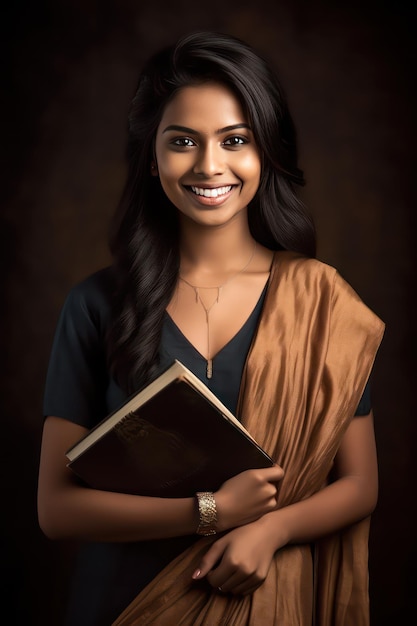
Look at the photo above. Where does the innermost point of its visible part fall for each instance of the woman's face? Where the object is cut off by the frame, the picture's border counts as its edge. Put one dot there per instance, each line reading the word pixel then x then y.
pixel 206 157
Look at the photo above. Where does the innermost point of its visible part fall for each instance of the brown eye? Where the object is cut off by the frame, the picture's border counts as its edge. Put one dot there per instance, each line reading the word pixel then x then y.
pixel 235 141
pixel 183 142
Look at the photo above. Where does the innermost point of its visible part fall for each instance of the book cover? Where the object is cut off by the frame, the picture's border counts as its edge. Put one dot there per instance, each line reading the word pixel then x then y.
pixel 171 439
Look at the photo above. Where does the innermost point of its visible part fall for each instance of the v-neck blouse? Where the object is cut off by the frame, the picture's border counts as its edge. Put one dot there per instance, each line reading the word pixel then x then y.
pixel 228 363
pixel 79 388
pixel 78 385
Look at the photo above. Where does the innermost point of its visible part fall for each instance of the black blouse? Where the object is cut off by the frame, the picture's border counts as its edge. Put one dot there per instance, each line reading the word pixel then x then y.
pixel 78 388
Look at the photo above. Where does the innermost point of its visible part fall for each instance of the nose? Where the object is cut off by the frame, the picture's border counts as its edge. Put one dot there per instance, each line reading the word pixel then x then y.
pixel 209 160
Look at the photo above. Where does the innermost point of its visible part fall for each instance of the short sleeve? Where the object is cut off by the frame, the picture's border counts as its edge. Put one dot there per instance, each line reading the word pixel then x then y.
pixel 77 378
pixel 365 405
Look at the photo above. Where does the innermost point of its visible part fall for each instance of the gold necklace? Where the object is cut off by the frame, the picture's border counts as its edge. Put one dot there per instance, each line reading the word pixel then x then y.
pixel 196 289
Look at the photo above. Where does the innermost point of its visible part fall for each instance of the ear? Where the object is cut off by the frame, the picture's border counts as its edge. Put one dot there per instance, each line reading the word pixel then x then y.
pixel 154 169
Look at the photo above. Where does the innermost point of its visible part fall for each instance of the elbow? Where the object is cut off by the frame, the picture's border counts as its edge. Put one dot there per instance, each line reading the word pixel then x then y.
pixel 367 509
pixel 51 520
pixel 368 496
pixel 372 503
pixel 48 526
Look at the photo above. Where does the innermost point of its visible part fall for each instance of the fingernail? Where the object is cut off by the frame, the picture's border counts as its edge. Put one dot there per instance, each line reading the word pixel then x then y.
pixel 196 573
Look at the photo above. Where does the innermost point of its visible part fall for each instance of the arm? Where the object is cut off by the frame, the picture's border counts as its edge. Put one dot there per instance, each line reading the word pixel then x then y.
pixel 350 498
pixel 245 553
pixel 67 509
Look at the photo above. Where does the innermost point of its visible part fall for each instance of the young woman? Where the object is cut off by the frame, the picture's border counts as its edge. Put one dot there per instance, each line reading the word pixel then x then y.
pixel 214 265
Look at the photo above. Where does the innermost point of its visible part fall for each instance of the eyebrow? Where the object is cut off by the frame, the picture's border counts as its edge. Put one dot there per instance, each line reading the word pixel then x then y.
pixel 191 131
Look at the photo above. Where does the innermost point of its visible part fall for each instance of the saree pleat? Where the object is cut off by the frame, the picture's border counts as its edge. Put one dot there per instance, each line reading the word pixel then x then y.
pixel 304 376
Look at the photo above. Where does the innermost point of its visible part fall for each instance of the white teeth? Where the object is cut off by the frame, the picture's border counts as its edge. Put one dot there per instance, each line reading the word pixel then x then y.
pixel 211 193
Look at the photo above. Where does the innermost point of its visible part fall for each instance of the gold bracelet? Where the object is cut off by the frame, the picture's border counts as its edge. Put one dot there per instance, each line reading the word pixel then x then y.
pixel 208 513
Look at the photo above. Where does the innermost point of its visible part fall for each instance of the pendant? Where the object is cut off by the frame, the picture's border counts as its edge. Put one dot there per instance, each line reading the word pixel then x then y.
pixel 209 370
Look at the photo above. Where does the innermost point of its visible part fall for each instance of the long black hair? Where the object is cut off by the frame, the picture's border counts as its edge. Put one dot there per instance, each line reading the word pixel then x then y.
pixel 144 233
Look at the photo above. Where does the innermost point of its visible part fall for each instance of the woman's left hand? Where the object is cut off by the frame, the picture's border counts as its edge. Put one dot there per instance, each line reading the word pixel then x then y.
pixel 239 561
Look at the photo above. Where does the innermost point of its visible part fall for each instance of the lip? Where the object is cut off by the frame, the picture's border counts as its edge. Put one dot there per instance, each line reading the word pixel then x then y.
pixel 210 201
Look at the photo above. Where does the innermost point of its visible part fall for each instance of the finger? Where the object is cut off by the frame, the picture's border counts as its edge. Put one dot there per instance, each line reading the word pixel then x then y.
pixel 227 577
pixel 277 473
pixel 209 560
pixel 245 590
pixel 240 585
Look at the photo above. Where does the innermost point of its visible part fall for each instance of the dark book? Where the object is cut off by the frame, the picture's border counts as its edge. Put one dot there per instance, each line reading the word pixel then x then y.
pixel 171 439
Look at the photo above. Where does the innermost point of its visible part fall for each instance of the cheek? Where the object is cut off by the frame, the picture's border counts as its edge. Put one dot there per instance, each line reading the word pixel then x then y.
pixel 169 186
pixel 250 168
pixel 172 169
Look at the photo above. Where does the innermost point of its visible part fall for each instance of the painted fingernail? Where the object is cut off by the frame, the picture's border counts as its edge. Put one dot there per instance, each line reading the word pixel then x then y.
pixel 196 573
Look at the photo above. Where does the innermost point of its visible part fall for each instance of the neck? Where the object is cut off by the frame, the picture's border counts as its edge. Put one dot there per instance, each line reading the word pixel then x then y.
pixel 215 252
pixel 197 288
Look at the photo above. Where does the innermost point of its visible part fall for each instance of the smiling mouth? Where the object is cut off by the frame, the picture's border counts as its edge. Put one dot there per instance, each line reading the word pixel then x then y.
pixel 215 192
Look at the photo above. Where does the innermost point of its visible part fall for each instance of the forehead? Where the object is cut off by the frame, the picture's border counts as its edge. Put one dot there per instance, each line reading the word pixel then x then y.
pixel 205 107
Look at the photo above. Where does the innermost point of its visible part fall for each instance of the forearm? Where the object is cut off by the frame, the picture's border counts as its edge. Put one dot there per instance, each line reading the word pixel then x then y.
pixel 69 510
pixel 336 506
pixel 88 514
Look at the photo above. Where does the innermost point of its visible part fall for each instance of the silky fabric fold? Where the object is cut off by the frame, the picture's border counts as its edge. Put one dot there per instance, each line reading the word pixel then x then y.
pixel 306 370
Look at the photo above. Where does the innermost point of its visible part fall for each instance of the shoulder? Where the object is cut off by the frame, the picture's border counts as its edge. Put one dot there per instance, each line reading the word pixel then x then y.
pixel 91 298
pixel 299 267
pixel 95 288
pixel 311 282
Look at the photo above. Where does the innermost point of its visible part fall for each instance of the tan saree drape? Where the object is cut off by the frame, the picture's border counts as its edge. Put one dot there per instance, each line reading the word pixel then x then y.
pixel 304 376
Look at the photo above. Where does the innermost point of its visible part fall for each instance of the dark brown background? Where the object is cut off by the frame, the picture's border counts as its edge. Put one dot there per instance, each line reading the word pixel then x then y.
pixel 70 68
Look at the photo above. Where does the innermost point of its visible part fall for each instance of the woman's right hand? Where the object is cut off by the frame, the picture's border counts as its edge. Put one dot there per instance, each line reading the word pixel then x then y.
pixel 247 496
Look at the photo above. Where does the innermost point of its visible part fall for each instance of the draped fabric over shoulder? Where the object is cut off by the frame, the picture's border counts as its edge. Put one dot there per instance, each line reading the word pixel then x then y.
pixel 305 373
